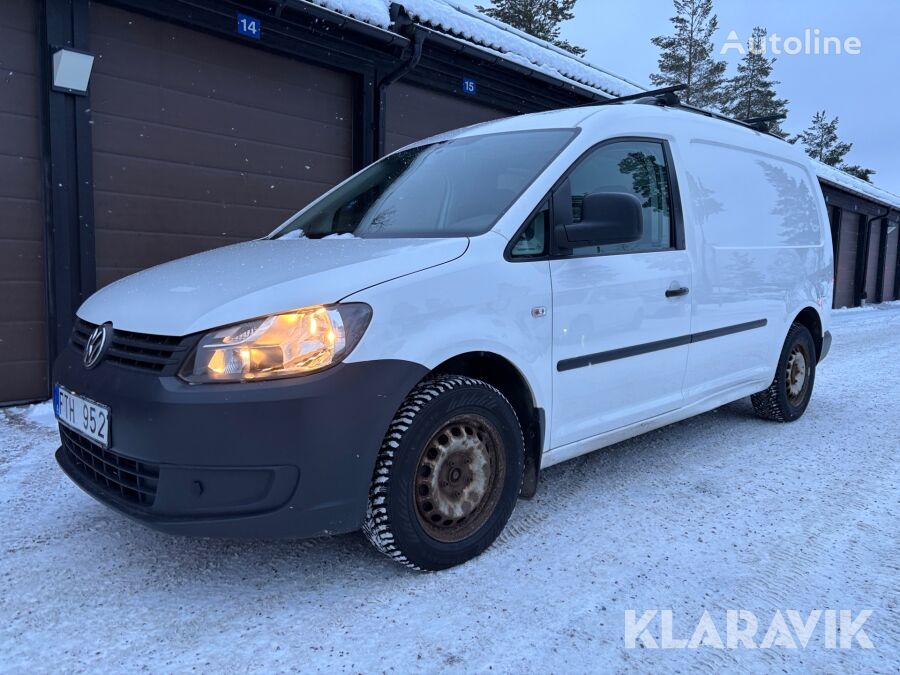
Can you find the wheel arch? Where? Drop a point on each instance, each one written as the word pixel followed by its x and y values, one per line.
pixel 809 317
pixel 501 373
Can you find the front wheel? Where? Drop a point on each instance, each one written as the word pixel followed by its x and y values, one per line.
pixel 787 397
pixel 447 476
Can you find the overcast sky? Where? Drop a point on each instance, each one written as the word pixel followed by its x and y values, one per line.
pixel 859 89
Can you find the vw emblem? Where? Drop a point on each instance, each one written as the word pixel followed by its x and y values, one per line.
pixel 97 345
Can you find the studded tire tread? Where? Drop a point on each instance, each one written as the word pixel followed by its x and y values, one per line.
pixel 378 526
pixel 772 403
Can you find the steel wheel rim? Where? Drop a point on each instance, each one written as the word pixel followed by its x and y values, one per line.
pixel 459 478
pixel 797 374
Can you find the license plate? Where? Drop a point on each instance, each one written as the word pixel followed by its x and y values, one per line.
pixel 82 415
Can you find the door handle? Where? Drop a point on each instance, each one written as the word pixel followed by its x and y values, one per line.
pixel 676 292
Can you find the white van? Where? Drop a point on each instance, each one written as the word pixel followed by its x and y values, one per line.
pixel 406 353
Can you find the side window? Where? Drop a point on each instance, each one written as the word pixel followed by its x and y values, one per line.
pixel 532 240
pixel 635 167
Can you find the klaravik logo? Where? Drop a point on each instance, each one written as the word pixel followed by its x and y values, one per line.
pixel 837 629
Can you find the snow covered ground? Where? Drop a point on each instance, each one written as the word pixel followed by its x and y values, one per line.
pixel 719 512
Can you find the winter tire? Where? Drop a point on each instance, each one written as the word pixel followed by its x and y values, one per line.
pixel 787 397
pixel 447 476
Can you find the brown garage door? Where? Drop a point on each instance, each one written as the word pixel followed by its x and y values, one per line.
pixel 414 113
pixel 23 332
pixel 845 283
pixel 872 262
pixel 890 261
pixel 201 141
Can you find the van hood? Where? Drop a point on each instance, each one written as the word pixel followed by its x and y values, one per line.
pixel 244 281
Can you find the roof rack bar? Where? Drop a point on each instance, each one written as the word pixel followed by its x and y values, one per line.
pixel 762 123
pixel 667 97
pixel 724 118
pixel 651 93
pixel 764 118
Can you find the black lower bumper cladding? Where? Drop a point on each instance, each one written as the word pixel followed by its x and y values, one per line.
pixel 284 458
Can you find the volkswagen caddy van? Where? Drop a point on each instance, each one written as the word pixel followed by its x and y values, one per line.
pixel 409 351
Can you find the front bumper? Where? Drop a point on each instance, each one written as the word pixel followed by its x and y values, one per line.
pixel 284 458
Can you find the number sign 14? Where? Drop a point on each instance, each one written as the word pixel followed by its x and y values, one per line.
pixel 249 26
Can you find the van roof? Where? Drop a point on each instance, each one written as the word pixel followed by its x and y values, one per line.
pixel 634 119
pixel 640 118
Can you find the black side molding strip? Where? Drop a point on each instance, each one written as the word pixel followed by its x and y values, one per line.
pixel 647 347
pixel 728 330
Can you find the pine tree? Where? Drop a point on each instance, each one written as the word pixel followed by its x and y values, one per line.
pixel 540 18
pixel 821 142
pixel 859 171
pixel 751 93
pixel 687 56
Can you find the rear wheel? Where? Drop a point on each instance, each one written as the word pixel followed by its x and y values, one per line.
pixel 787 397
pixel 447 476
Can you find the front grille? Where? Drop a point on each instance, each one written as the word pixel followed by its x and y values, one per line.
pixel 141 351
pixel 132 480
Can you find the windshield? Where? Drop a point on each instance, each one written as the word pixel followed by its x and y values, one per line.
pixel 454 188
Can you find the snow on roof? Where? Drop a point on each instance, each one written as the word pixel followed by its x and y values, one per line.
pixel 844 180
pixel 494 37
pixel 373 12
pixel 517 45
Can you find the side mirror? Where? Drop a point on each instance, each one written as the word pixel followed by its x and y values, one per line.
pixel 606 218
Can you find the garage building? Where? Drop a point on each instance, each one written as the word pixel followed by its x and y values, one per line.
pixel 207 123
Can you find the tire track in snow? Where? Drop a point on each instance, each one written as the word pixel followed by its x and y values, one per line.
pixel 559 485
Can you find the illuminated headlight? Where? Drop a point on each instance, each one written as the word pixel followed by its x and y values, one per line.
pixel 281 345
